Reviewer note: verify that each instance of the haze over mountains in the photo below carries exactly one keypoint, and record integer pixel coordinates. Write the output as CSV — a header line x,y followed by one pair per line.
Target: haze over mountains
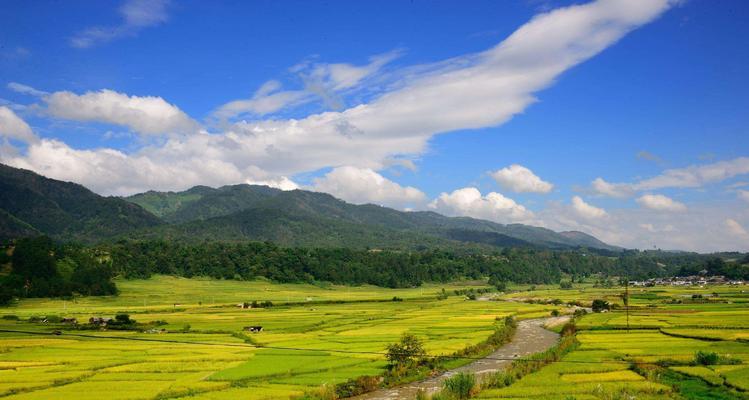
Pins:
x,y
31,204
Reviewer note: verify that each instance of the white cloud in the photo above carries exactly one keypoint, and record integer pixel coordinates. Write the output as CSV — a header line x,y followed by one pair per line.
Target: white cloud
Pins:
x,y
689,177
283,183
661,203
266,100
471,91
654,229
147,115
26,89
586,210
13,127
341,76
602,187
520,179
363,185
469,202
136,15
735,228
743,195
152,168
321,81
701,228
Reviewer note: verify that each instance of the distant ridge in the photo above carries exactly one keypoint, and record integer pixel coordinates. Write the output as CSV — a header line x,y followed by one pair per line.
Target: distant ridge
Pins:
x,y
31,204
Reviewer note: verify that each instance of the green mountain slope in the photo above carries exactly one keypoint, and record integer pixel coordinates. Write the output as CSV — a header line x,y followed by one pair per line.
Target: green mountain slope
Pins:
x,y
301,217
31,203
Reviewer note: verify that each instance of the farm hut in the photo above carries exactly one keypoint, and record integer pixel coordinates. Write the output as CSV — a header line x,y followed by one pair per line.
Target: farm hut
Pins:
x,y
253,329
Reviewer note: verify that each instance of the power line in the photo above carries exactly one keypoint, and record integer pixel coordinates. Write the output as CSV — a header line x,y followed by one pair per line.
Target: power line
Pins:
x,y
286,348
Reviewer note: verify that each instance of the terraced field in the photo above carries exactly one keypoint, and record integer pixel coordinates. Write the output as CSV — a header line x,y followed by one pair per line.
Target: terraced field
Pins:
x,y
206,354
613,363
342,332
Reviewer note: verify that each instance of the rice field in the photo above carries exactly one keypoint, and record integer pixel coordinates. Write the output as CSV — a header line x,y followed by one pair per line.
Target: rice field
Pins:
x,y
611,362
207,355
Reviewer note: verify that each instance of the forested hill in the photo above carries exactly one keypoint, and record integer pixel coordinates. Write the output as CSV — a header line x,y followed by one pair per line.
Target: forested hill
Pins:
x,y
303,218
31,205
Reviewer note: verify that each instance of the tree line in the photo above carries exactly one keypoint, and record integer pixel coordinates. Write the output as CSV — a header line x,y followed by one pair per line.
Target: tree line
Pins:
x,y
40,267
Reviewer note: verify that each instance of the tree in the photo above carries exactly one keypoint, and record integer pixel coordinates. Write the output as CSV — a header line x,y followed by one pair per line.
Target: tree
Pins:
x,y
410,349
565,285
498,283
600,305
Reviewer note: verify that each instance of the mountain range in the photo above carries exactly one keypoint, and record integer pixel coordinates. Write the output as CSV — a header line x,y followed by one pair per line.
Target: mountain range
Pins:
x,y
31,204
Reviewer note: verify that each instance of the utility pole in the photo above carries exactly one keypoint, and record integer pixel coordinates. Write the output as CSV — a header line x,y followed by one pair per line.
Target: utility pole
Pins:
x,y
626,300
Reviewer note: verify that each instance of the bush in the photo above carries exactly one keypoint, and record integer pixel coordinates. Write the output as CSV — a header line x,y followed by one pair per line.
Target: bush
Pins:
x,y
358,386
460,386
123,319
600,305
565,285
396,298
712,358
11,317
324,392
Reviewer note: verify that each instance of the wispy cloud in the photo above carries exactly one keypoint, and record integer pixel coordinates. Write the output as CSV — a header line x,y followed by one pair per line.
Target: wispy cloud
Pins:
x,y
13,127
26,89
689,177
661,202
136,16
320,82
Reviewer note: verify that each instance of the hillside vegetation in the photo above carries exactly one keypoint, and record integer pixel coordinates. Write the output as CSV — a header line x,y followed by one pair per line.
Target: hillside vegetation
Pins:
x,y
31,204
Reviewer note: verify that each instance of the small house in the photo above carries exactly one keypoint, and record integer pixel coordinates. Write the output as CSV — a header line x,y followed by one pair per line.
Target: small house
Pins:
x,y
253,329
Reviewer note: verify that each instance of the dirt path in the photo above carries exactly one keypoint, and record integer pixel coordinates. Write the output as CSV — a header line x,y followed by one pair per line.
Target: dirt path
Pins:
x,y
531,337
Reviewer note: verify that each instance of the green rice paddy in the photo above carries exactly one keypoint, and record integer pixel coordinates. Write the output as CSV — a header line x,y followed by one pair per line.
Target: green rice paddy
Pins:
x,y
211,359
605,365
205,353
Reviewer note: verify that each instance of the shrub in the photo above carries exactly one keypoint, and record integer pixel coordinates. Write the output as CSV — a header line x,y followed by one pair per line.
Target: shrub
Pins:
x,y
324,392
123,319
712,358
396,298
460,386
565,285
358,386
600,305
11,317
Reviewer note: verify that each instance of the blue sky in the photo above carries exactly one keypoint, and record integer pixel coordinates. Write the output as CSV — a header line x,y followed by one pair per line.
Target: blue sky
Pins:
x,y
621,118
